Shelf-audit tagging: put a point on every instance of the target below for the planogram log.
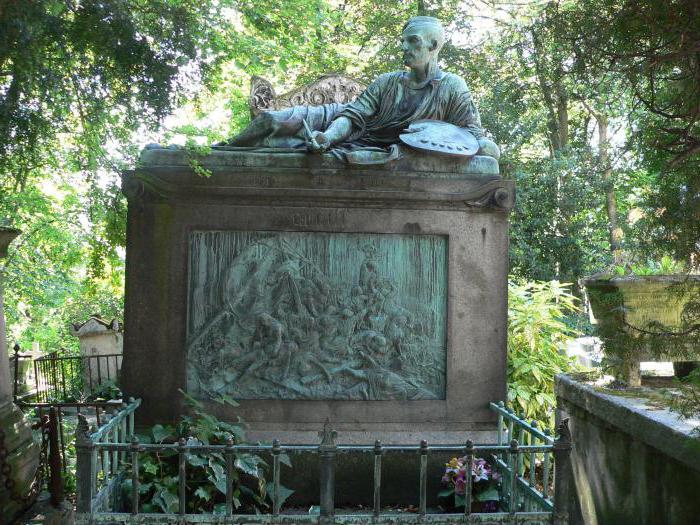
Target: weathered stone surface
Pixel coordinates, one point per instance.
(632, 463)
(99, 338)
(638, 315)
(19, 457)
(170, 208)
(410, 163)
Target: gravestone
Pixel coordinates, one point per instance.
(101, 342)
(308, 290)
(344, 262)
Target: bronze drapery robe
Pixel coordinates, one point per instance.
(379, 115)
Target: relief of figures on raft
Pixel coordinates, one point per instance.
(288, 315)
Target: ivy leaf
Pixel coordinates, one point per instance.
(203, 493)
(167, 501)
(196, 460)
(217, 468)
(284, 492)
(248, 463)
(161, 433)
(284, 459)
(219, 483)
(490, 494)
(446, 493)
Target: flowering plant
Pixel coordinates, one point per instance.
(484, 482)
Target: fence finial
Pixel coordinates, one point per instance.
(327, 435)
(563, 441)
(82, 431)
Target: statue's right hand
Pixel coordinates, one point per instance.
(318, 143)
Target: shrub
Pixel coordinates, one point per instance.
(537, 337)
(206, 478)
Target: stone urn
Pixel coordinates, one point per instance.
(646, 318)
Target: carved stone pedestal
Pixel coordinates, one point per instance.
(371, 296)
(19, 454)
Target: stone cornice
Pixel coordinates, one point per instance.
(299, 180)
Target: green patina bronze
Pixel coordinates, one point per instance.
(368, 130)
(285, 315)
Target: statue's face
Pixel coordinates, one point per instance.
(417, 47)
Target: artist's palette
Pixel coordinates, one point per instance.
(439, 137)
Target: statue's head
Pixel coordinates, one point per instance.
(421, 41)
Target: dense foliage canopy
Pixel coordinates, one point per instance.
(595, 103)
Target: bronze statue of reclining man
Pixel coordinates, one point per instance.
(384, 111)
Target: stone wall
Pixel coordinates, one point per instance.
(633, 463)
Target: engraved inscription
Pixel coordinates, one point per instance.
(262, 181)
(324, 218)
(293, 315)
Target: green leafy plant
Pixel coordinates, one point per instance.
(195, 153)
(537, 337)
(686, 400)
(665, 266)
(206, 473)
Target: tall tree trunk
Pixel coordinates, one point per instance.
(562, 110)
(614, 231)
(555, 97)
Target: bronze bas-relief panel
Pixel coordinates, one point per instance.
(317, 316)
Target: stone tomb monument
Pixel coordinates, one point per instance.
(344, 262)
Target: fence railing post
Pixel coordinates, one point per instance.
(562, 474)
(276, 450)
(514, 452)
(377, 477)
(134, 450)
(86, 466)
(36, 380)
(546, 467)
(327, 451)
(469, 454)
(55, 463)
(229, 474)
(131, 429)
(15, 387)
(423, 482)
(53, 356)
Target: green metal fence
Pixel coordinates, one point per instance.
(105, 457)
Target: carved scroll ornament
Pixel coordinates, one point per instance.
(327, 89)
